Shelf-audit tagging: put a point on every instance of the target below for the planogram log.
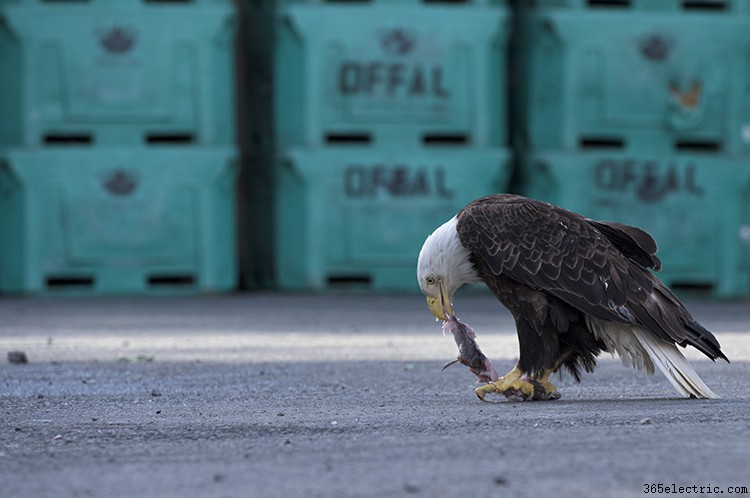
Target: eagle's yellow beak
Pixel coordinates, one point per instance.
(440, 306)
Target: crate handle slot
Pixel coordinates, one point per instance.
(446, 139)
(601, 143)
(348, 138)
(698, 145)
(705, 5)
(693, 287)
(68, 138)
(621, 4)
(170, 138)
(342, 280)
(181, 280)
(70, 282)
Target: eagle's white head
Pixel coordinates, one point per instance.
(444, 265)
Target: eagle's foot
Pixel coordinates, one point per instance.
(517, 386)
(528, 389)
(500, 385)
(483, 391)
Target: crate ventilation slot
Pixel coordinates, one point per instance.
(704, 5)
(596, 143)
(347, 280)
(698, 146)
(445, 139)
(609, 4)
(170, 138)
(60, 282)
(68, 138)
(348, 138)
(171, 280)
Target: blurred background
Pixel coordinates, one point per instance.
(203, 146)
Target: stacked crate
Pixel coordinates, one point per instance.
(117, 163)
(637, 111)
(382, 120)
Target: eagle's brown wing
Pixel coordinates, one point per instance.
(597, 267)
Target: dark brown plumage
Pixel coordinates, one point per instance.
(551, 268)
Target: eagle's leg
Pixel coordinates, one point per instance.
(543, 388)
(519, 386)
(543, 380)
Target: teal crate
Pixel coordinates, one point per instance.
(99, 3)
(405, 74)
(695, 207)
(358, 218)
(279, 3)
(112, 73)
(687, 6)
(666, 77)
(117, 220)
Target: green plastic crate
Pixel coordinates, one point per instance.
(99, 3)
(113, 73)
(359, 217)
(695, 207)
(687, 6)
(117, 220)
(387, 74)
(664, 77)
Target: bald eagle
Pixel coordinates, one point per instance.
(575, 287)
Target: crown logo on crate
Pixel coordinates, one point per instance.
(118, 39)
(656, 47)
(121, 183)
(398, 41)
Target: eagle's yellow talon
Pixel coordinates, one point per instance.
(500, 385)
(486, 389)
(528, 389)
(519, 387)
(548, 388)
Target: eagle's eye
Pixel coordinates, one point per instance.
(430, 280)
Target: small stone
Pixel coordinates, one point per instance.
(646, 421)
(17, 357)
(500, 481)
(155, 393)
(411, 488)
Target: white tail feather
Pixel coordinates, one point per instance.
(673, 365)
(642, 350)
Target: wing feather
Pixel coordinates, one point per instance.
(546, 248)
(600, 268)
(633, 242)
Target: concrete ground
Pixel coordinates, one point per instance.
(275, 395)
